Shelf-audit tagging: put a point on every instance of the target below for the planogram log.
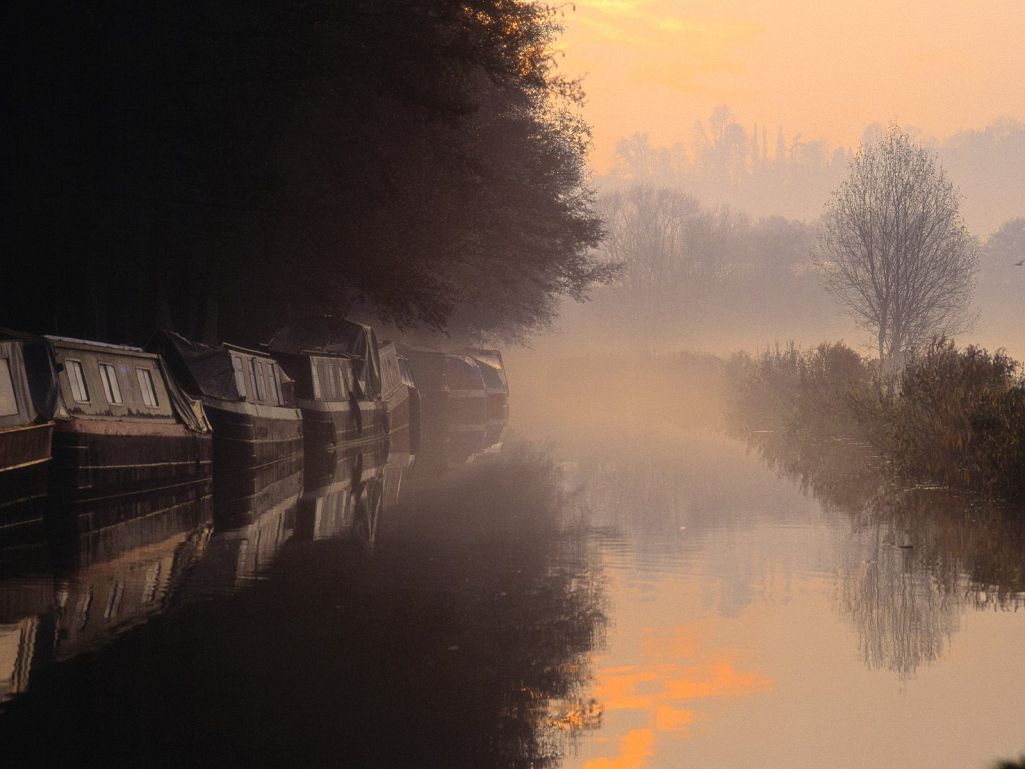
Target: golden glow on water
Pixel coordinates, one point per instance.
(667, 690)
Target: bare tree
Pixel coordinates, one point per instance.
(897, 252)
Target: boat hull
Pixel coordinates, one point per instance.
(330, 426)
(250, 437)
(24, 466)
(98, 458)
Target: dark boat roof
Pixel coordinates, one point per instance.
(323, 333)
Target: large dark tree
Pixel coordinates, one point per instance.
(221, 167)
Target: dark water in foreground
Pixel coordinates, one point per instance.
(574, 597)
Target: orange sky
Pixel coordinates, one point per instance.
(818, 68)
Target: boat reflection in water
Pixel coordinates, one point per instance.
(104, 570)
(447, 444)
(347, 499)
(103, 566)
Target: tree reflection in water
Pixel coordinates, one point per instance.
(913, 558)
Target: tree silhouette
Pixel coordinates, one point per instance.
(897, 252)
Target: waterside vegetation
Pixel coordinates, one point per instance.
(953, 417)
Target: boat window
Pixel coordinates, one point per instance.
(491, 376)
(257, 378)
(462, 375)
(407, 375)
(349, 375)
(108, 376)
(315, 369)
(339, 381)
(8, 402)
(272, 375)
(240, 375)
(323, 378)
(149, 395)
(77, 379)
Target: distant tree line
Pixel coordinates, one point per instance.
(218, 167)
(715, 278)
(769, 173)
(691, 272)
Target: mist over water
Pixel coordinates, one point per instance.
(617, 583)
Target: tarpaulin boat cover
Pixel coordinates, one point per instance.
(36, 366)
(339, 336)
(201, 369)
(189, 410)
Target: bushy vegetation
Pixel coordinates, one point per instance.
(953, 417)
(958, 418)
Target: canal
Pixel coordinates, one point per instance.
(582, 593)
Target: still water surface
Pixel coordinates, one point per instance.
(575, 596)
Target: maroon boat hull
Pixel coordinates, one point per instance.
(95, 458)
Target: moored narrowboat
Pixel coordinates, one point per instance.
(451, 388)
(336, 412)
(122, 425)
(249, 400)
(26, 427)
(325, 338)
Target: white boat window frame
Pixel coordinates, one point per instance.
(76, 378)
(276, 384)
(111, 387)
(238, 366)
(146, 387)
(315, 367)
(257, 372)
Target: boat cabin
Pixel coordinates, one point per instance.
(111, 381)
(451, 387)
(250, 401)
(336, 409)
(122, 424)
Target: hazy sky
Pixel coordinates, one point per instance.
(815, 67)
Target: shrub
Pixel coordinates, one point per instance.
(958, 417)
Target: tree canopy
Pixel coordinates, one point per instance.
(220, 168)
(897, 252)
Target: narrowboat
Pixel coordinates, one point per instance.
(122, 425)
(496, 383)
(451, 387)
(326, 338)
(27, 400)
(336, 411)
(249, 400)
